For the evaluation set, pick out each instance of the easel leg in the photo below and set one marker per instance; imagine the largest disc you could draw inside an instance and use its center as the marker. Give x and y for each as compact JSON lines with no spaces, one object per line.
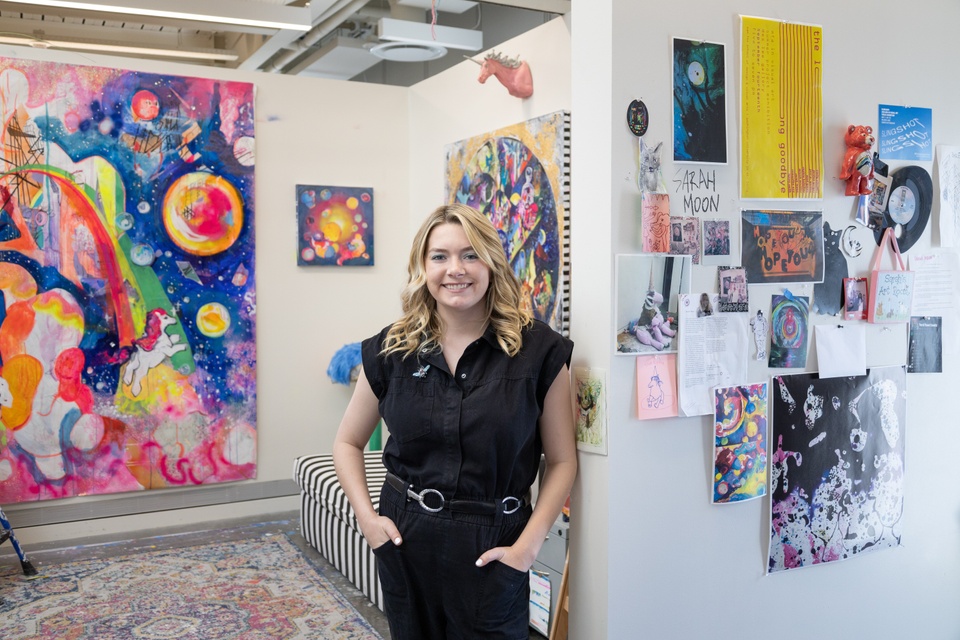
{"x":6,"y":533}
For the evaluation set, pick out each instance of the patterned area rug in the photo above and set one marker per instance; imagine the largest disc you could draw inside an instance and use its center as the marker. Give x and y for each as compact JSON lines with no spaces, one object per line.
{"x":253,"y":589}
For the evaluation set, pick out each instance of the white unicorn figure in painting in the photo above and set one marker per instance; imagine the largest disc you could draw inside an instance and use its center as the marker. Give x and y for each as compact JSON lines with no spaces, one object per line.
{"x":152,"y":349}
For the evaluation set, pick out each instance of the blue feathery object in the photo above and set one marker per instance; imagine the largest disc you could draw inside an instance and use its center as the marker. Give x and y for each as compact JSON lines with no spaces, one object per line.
{"x":344,"y":361}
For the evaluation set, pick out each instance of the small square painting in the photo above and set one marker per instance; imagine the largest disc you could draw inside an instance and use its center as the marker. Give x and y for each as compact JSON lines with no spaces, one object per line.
{"x":335,"y":226}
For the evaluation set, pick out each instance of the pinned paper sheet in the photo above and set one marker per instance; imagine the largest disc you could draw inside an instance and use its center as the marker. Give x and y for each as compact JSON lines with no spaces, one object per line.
{"x":760,"y":328}
{"x":841,"y":350}
{"x":740,"y":443}
{"x":657,"y":386}
{"x":949,"y":163}
{"x":936,"y":292}
{"x":925,"y":354}
{"x":655,"y":222}
{"x":713,"y":351}
{"x":789,"y":330}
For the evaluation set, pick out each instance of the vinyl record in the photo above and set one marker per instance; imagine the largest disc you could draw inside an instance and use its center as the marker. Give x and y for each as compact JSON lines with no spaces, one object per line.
{"x":908,"y":209}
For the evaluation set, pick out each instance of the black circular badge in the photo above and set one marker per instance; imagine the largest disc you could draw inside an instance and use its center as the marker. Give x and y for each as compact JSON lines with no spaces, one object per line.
{"x":637,"y":118}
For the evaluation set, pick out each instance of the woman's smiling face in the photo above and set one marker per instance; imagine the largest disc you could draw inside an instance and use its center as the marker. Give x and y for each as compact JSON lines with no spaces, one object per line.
{"x":456,"y":277}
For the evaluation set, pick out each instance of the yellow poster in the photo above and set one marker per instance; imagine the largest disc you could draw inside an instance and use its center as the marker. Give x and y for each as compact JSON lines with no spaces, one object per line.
{"x":781,"y":110}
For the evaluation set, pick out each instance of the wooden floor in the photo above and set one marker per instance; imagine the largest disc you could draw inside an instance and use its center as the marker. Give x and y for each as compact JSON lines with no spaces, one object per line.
{"x":192,"y":535}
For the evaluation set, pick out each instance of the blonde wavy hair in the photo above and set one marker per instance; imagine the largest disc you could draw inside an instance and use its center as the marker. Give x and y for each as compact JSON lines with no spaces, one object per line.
{"x":420,"y":328}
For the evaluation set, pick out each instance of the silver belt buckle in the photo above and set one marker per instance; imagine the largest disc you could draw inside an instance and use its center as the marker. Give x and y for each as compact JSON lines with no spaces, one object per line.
{"x":506,"y":511}
{"x":413,"y":495}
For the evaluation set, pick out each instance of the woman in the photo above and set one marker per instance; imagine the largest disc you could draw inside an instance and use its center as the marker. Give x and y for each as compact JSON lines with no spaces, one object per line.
{"x":472,"y":391}
{"x":705,"y":308}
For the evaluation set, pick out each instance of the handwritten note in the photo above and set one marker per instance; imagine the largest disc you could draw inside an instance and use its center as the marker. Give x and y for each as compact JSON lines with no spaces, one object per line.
{"x":937,"y":285}
{"x":936,"y":291}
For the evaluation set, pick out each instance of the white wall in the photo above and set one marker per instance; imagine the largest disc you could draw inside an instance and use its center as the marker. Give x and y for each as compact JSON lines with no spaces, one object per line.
{"x":309,"y":131}
{"x":679,"y":567}
{"x":594,"y":121}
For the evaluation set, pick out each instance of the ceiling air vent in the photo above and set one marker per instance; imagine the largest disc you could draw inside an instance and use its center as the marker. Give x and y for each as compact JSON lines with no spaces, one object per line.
{"x":408,"y":52}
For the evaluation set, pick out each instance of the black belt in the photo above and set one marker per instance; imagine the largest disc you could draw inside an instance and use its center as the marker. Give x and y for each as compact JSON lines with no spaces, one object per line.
{"x":433,"y":501}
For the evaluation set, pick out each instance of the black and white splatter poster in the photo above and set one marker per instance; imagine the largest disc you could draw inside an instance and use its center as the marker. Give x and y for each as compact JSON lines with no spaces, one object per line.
{"x":837,"y":466}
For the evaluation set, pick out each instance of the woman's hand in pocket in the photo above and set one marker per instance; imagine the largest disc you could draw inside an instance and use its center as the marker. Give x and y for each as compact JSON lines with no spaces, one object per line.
{"x":380,"y":530}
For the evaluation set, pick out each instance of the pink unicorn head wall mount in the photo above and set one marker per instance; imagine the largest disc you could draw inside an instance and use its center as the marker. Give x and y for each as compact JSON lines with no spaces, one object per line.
{"x":511,"y":72}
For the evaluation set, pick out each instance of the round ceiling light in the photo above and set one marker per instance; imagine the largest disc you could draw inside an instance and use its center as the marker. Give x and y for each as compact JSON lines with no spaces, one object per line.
{"x":408,"y":52}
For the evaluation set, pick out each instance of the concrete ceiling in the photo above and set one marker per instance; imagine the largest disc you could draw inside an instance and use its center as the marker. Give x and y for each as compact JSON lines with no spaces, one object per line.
{"x":318,"y":38}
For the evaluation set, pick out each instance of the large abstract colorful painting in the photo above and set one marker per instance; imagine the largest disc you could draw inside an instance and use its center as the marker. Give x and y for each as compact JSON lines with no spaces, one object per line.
{"x":127,"y":333}
{"x":836,"y":482}
{"x":519,"y":177}
{"x":335,"y":226}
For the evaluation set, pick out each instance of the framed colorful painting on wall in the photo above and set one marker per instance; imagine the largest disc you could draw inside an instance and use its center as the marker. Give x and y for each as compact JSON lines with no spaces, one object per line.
{"x":334,"y":225}
{"x":518,"y":176}
{"x":127,"y":260}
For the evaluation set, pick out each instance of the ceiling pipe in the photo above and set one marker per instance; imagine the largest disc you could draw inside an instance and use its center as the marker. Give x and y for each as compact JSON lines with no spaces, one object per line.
{"x":402,"y":12}
{"x":374,"y":13}
{"x":342,"y":10}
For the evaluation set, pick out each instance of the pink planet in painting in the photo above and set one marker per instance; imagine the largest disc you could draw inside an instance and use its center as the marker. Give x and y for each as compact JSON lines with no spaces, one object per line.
{"x":145,"y":105}
{"x":203,"y":213}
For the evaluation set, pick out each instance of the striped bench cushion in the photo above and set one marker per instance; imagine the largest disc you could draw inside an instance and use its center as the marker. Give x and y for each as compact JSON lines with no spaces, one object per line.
{"x":328,"y":522}
{"x":318,"y":479}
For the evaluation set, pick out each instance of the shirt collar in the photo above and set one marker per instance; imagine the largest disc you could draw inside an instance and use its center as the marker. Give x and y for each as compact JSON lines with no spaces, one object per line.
{"x":490,"y":335}
{"x":436,"y":358}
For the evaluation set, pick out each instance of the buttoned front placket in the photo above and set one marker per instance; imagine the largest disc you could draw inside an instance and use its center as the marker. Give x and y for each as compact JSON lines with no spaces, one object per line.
{"x":453,"y":388}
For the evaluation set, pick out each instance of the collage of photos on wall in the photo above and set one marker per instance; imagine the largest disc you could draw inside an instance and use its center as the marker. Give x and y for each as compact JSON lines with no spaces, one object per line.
{"x":776,"y":348}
